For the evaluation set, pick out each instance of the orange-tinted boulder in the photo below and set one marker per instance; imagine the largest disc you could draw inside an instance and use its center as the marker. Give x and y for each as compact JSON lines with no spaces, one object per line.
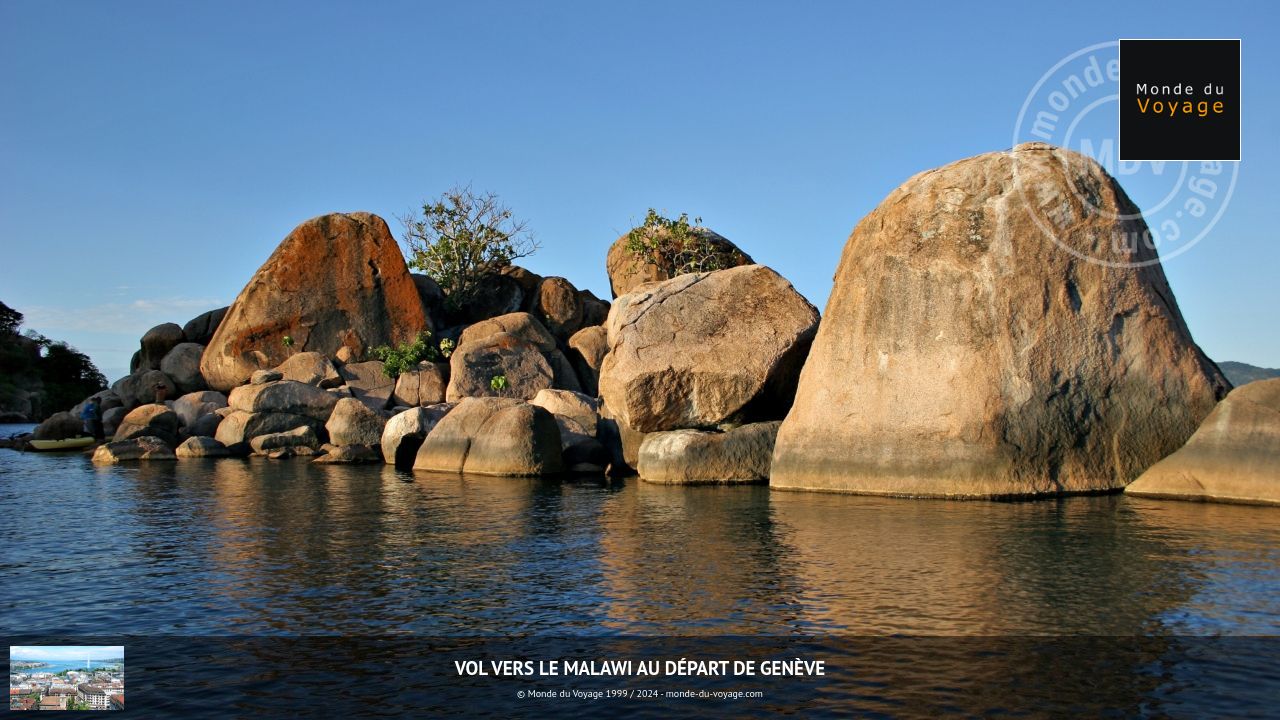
{"x":336,"y":281}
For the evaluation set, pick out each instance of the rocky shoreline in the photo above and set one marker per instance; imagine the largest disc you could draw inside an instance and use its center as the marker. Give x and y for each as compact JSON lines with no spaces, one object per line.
{"x":961,"y":355}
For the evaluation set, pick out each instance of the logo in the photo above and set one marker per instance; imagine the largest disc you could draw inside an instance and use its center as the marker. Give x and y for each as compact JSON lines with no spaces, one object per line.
{"x":1075,"y":105}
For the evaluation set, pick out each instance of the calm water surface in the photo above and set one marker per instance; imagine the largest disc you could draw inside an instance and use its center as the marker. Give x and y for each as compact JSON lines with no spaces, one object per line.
{"x":274,"y":548}
{"x":257,"y":546}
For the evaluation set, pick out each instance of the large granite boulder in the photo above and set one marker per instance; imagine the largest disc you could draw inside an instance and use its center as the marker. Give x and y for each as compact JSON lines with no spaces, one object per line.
{"x":312,"y":368}
{"x":705,"y":349}
{"x":520,"y":324}
{"x":404,"y":433}
{"x":527,"y":280}
{"x":204,"y":426}
{"x":59,"y":426}
{"x":582,"y":410}
{"x":368,"y":383}
{"x":693,"y":457}
{"x":424,"y":385}
{"x":141,"y":387}
{"x":1233,"y":457}
{"x":201,"y":447}
{"x":138,"y":448}
{"x":432,"y":298}
{"x":964,"y":353}
{"x":111,"y":420}
{"x":284,"y":396}
{"x":348,"y":455}
{"x":627,"y":270}
{"x":299,"y":437}
{"x":354,"y":423}
{"x":587,"y":349}
{"x":496,"y":294}
{"x":156,"y":343}
{"x":241,"y":427}
{"x":193,"y":406}
{"x":152,"y":420}
{"x":493,"y":436}
{"x":200,"y":329}
{"x":337,"y":281}
{"x":559,"y":305}
{"x":182,"y":366}
{"x":474,"y":365}
{"x":594,"y":310}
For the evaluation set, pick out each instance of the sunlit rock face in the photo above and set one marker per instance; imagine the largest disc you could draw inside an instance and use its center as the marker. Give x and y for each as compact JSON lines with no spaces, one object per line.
{"x":964,"y":353}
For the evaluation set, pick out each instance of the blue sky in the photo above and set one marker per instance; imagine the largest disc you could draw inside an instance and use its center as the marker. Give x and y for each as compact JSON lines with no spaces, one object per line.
{"x":152,"y":154}
{"x":66,"y":653}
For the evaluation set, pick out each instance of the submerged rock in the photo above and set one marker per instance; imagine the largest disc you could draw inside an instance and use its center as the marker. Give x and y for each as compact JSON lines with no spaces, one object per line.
{"x":348,"y":455}
{"x":337,"y":282}
{"x":1233,"y":457}
{"x":138,"y":448}
{"x":201,"y":447}
{"x":686,"y":457}
{"x":964,"y":354}
{"x":493,"y":436}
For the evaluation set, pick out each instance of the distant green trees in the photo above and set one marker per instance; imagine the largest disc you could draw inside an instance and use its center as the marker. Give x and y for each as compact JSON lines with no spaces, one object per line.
{"x":54,"y":374}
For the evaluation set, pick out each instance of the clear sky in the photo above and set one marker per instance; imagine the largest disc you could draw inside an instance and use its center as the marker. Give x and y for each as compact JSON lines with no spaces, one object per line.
{"x":52,"y":653}
{"x":152,"y":154}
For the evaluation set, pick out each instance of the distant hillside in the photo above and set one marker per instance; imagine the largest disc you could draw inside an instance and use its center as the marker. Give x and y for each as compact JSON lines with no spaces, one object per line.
{"x":1240,"y":373}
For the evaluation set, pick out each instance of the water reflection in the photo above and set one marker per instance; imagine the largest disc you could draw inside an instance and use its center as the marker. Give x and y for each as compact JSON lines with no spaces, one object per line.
{"x":258,"y":546}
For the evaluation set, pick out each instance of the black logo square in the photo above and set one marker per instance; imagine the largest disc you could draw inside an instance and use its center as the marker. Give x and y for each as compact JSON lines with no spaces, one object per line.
{"x":1179,"y":100}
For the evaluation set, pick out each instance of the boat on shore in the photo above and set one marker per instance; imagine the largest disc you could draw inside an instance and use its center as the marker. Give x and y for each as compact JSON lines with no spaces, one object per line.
{"x":76,"y":443}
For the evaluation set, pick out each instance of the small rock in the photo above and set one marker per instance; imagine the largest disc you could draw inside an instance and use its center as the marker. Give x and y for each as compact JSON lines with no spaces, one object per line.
{"x":150,"y":421}
{"x":264,"y":444}
{"x":683,"y":457}
{"x":138,"y":448}
{"x":262,"y":377}
{"x":353,"y":423}
{"x":405,"y":432}
{"x":201,"y":447}
{"x":312,"y":368}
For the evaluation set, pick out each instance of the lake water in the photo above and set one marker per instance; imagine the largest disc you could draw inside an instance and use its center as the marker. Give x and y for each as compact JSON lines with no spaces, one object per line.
{"x":222,"y":550}
{"x":57,"y":666}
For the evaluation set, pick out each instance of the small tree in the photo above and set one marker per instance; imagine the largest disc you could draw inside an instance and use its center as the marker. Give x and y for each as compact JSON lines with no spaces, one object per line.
{"x":678,"y":246}
{"x":404,"y":357}
{"x":463,"y":237}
